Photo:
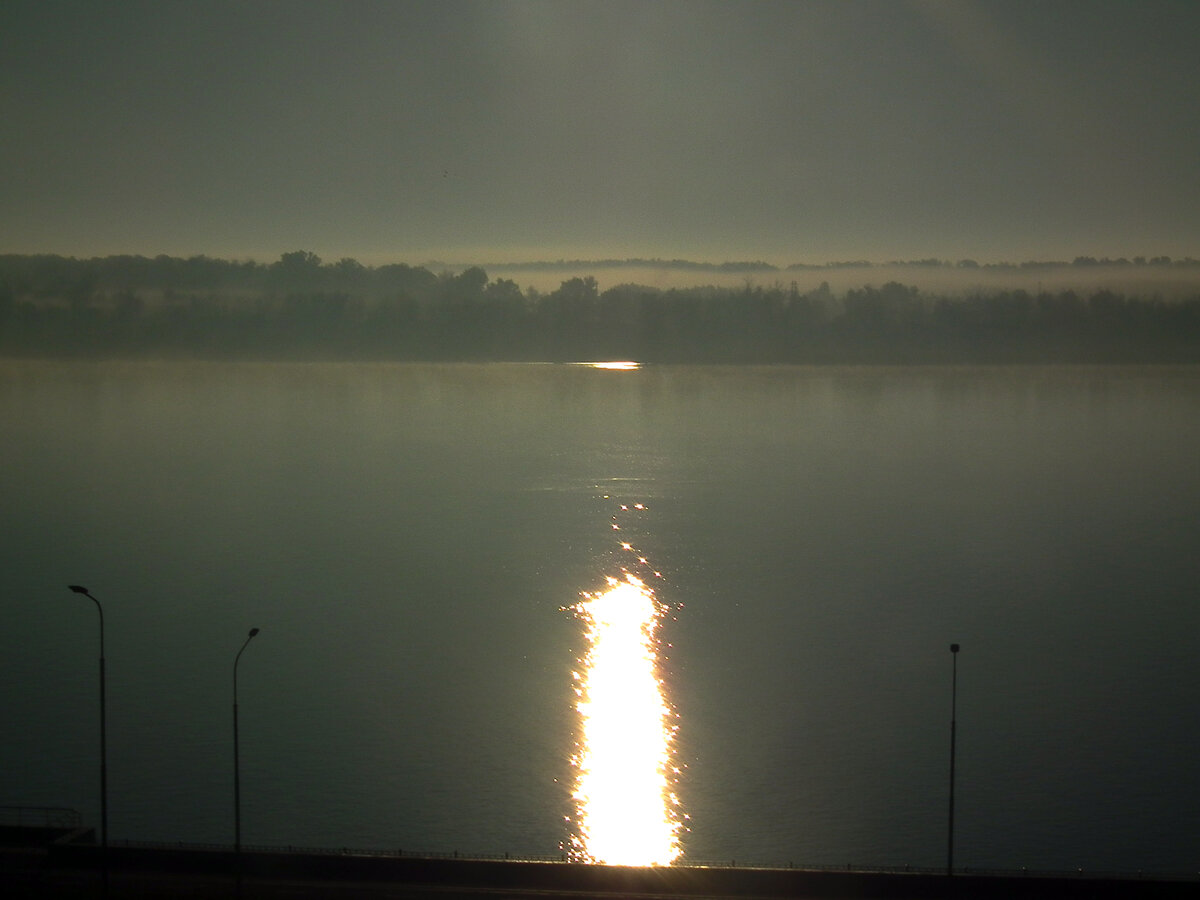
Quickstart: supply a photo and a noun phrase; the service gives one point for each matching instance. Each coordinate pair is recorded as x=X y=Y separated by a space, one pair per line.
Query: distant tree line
x=301 y=307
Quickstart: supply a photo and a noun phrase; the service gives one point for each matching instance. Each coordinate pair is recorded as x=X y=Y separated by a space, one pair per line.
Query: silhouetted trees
x=301 y=307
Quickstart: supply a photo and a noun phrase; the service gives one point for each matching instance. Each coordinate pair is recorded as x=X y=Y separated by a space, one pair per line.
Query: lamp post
x=79 y=589
x=237 y=784
x=953 y=705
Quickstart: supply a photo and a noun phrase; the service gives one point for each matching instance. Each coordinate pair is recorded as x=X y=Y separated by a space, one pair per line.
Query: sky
x=501 y=131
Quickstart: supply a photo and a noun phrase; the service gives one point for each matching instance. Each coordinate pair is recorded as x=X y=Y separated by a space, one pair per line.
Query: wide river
x=415 y=543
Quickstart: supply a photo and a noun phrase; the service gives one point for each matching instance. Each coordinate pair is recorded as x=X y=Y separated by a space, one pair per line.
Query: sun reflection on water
x=626 y=810
x=621 y=365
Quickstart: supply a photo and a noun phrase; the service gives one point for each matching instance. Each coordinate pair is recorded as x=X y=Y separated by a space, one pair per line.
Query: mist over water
x=407 y=536
x=936 y=277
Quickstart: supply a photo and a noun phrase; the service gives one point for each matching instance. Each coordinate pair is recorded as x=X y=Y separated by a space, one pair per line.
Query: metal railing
x=564 y=857
x=899 y=869
x=39 y=817
x=398 y=853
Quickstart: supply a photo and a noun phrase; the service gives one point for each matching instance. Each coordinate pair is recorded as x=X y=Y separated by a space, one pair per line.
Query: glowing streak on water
x=626 y=808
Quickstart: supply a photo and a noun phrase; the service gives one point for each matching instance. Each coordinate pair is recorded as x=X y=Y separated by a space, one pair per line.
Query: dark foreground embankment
x=71 y=869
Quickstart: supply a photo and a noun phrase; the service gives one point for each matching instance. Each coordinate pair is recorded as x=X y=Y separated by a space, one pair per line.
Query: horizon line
x=732 y=266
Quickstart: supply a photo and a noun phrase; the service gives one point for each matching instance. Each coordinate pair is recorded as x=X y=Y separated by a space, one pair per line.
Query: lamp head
x=253 y=632
x=78 y=588
x=954 y=648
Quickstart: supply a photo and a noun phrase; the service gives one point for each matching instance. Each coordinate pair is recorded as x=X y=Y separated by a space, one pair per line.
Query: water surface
x=409 y=539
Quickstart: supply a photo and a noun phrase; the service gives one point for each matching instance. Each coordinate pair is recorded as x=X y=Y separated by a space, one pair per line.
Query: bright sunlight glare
x=621 y=365
x=625 y=806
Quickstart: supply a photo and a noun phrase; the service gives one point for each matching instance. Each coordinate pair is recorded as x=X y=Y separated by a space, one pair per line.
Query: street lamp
x=237 y=784
x=953 y=705
x=79 y=589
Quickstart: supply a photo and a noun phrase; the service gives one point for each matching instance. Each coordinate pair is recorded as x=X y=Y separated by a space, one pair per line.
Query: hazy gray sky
x=787 y=131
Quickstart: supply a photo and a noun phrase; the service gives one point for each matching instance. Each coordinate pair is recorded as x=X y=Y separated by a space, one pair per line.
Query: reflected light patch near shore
x=617 y=365
x=626 y=809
